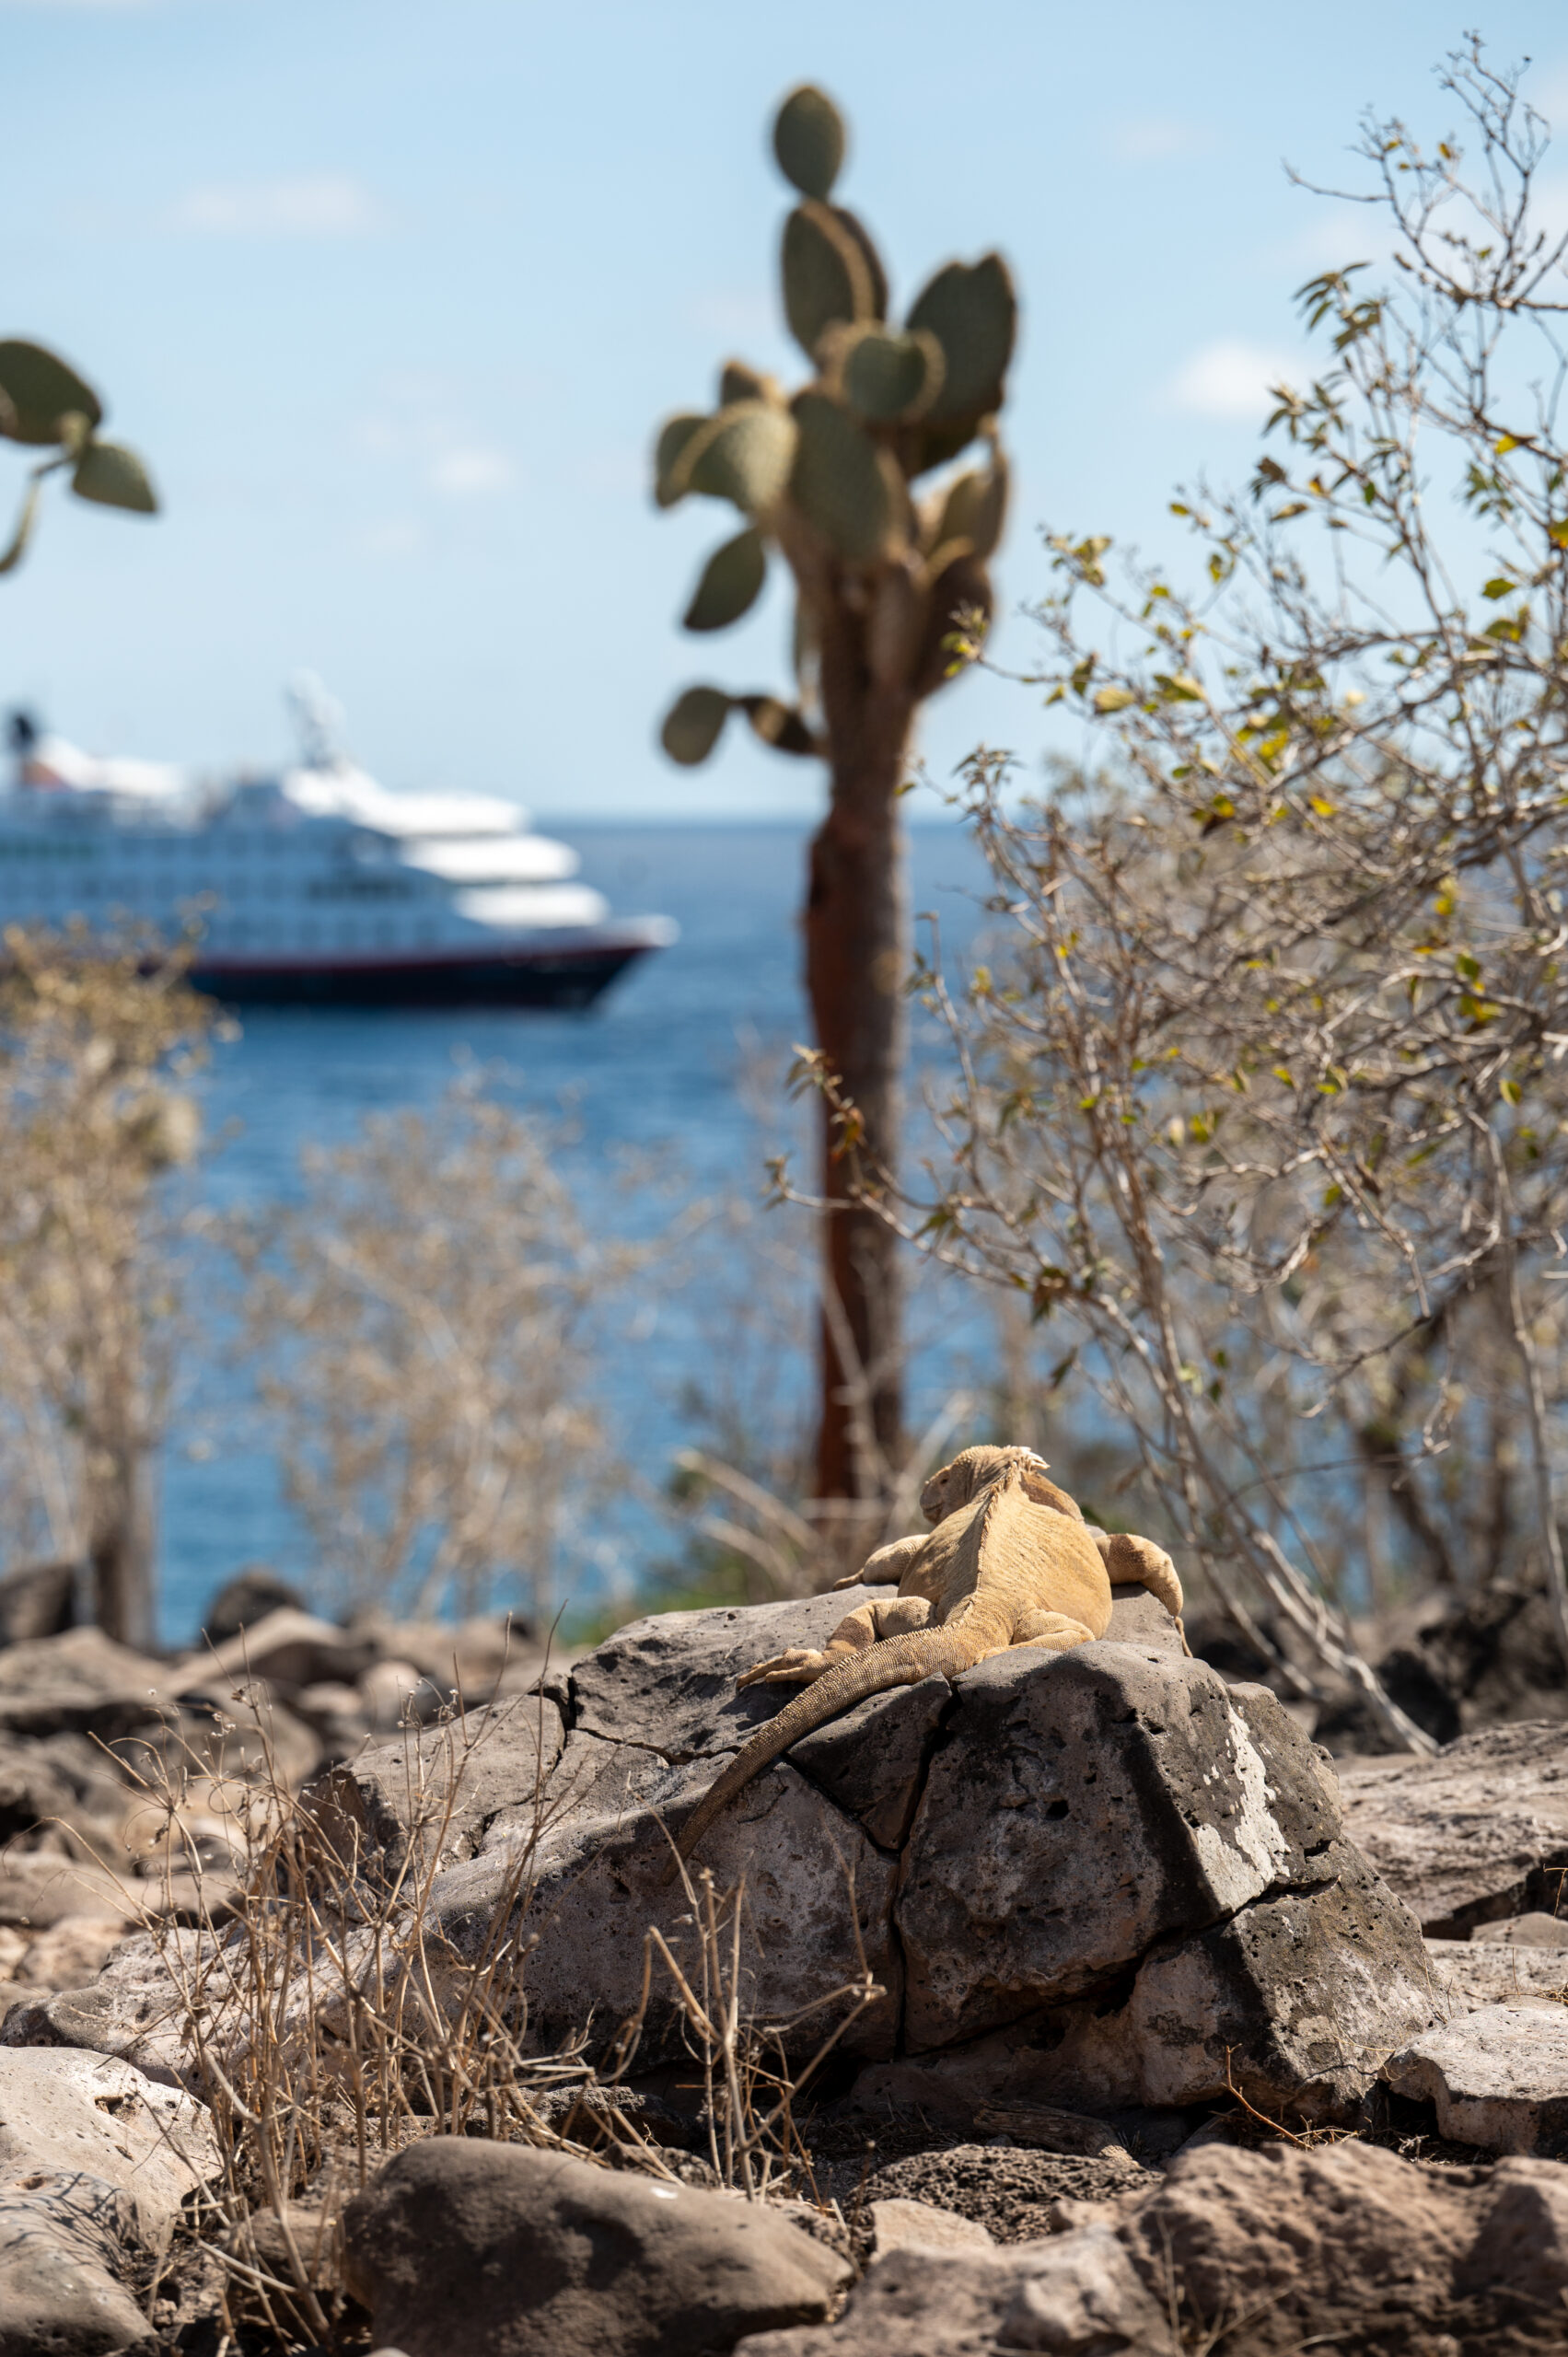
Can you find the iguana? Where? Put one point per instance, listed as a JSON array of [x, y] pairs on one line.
[[1011, 1562]]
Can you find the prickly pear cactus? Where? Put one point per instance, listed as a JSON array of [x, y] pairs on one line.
[[823, 478], [859, 481]]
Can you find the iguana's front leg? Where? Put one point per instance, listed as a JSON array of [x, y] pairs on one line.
[[887, 1567], [895, 1618]]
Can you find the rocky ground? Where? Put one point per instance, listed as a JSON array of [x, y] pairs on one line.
[[1147, 2025]]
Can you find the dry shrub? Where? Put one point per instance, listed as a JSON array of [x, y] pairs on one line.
[[328, 2020]]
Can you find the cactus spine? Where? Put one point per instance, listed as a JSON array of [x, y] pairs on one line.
[[891, 595]]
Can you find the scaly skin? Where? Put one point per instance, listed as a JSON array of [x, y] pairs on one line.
[[1011, 1563]]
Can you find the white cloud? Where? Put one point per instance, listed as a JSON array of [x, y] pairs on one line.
[[1157, 139], [473, 473], [1229, 378], [317, 205]]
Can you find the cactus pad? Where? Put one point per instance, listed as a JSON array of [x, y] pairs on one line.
[[113, 476], [825, 276], [883, 376], [859, 236], [976, 508], [671, 476], [809, 140], [693, 724], [843, 485], [41, 391], [778, 724], [731, 582], [743, 455], [739, 381], [973, 313]]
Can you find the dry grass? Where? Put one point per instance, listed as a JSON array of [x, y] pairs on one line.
[[327, 2020]]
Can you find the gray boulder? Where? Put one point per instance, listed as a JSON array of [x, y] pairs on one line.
[[511, 2252], [1292, 2000], [1349, 2244], [81, 1682], [1078, 2293], [286, 1647], [1273, 2250], [64, 2248], [63, 2114], [1475, 1834], [245, 1600], [1082, 1806], [133, 2011], [667, 1682], [1498, 2077], [1468, 1974], [1536, 1930], [437, 1789], [587, 1891]]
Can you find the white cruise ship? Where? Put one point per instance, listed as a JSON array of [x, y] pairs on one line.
[[316, 887]]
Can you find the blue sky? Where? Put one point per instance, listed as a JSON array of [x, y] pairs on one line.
[[393, 296]]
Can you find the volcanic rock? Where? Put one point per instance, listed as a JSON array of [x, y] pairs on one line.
[[1498, 2078], [1475, 1834], [522, 2252]]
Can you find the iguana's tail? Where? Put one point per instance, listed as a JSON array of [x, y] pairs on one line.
[[894, 1661]]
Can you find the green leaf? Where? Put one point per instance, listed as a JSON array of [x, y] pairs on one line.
[[112, 476], [731, 582], [1498, 587], [1113, 698], [42, 390], [693, 724]]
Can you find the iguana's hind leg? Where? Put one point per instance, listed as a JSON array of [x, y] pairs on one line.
[[1057, 1629], [897, 1617], [1132, 1560]]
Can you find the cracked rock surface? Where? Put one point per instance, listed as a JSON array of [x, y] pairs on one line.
[[1144, 1868], [1089, 1879]]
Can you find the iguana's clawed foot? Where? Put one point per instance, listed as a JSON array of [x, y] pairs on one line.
[[799, 1665]]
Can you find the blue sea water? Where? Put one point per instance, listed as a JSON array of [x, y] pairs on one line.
[[654, 1071]]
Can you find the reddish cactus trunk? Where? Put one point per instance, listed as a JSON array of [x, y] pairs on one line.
[[857, 948]]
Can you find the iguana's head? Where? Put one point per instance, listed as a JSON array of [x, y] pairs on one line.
[[958, 1484]]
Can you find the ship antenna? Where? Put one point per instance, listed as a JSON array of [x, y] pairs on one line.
[[318, 720]]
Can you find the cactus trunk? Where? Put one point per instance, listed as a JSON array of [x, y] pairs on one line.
[[857, 953]]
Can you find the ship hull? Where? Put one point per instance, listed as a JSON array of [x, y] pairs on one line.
[[561, 978]]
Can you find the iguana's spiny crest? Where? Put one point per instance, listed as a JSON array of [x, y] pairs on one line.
[[1011, 1562]]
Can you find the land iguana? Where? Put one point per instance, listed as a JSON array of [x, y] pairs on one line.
[[1011, 1562]]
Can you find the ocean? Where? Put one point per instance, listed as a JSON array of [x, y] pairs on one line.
[[678, 1070]]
